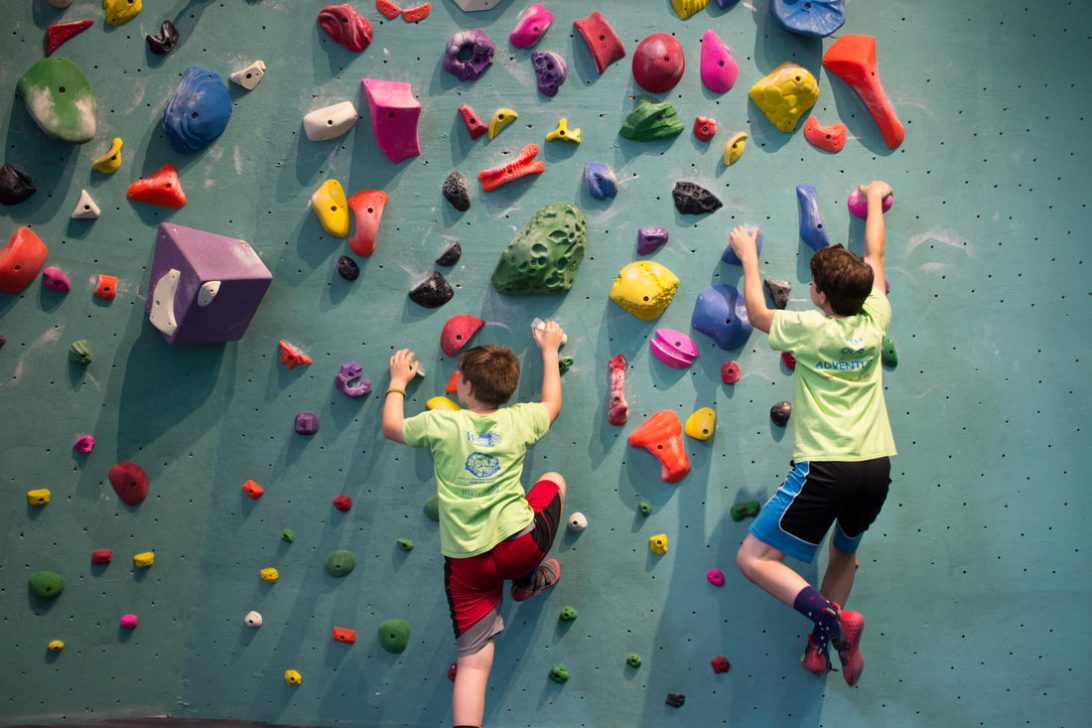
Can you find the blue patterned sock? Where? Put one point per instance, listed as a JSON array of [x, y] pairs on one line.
[[822, 611]]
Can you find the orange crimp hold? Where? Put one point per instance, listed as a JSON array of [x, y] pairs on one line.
[[253, 490], [291, 356], [828, 138], [521, 166], [387, 9], [661, 435], [417, 14], [452, 383], [343, 634], [106, 287], [852, 58]]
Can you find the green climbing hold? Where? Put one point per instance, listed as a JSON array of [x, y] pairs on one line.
[[59, 99], [564, 364], [645, 508], [747, 509], [545, 255], [651, 120], [559, 673], [340, 563], [633, 659], [405, 544], [394, 635], [46, 584], [888, 354], [80, 352], [288, 536], [568, 614], [432, 508]]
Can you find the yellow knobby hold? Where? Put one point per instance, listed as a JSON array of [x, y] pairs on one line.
[[644, 288], [502, 117], [111, 161], [658, 544], [332, 208], [564, 133], [293, 677], [144, 560], [39, 496], [686, 8], [701, 424], [785, 95], [119, 12], [441, 403], [56, 646], [734, 147], [270, 575]]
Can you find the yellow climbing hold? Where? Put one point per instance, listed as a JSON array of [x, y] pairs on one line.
[[56, 646], [733, 149], [111, 161], [441, 403], [293, 677], [701, 424], [658, 544], [785, 95], [686, 8], [564, 133], [144, 560], [644, 288], [119, 12], [38, 497], [269, 575], [332, 208], [502, 117]]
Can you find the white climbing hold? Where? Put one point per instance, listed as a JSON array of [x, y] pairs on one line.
[[85, 209], [207, 293], [162, 313], [253, 620], [330, 122], [578, 522], [539, 325], [249, 77]]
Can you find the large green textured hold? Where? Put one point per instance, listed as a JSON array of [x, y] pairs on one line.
[[545, 255], [651, 120], [340, 563], [59, 98], [394, 635], [46, 584]]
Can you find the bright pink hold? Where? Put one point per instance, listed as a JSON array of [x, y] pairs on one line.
[[531, 24], [394, 113], [858, 205], [55, 280], [719, 70], [84, 444], [720, 664], [129, 621], [715, 577]]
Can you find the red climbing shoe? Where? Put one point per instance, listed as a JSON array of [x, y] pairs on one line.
[[849, 648], [815, 661], [546, 575]]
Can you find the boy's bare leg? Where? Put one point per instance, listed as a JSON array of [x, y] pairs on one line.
[[468, 695], [838, 578], [763, 565]]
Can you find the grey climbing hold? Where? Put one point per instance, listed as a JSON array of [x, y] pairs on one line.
[[451, 254], [779, 291], [347, 268], [432, 292], [780, 413], [165, 41], [456, 190], [15, 185]]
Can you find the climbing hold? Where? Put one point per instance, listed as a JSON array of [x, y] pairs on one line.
[[779, 291], [705, 128], [85, 208], [693, 199], [521, 166], [651, 120], [80, 352], [15, 185], [658, 544], [57, 34], [250, 76], [568, 614], [812, 231], [661, 435], [395, 113], [293, 677], [686, 8], [475, 127], [330, 122], [719, 70], [394, 635], [46, 584], [163, 42], [269, 575], [331, 208], [780, 413], [734, 147], [673, 348], [56, 280], [340, 562], [747, 509], [38, 496], [720, 314], [253, 619], [441, 403], [451, 254], [345, 635], [452, 386], [405, 544], [130, 483], [55, 646], [432, 508], [458, 331], [456, 190], [253, 490], [785, 94], [347, 268], [730, 372], [546, 254], [502, 117], [388, 9], [288, 536], [578, 522], [644, 508], [858, 204], [307, 423], [633, 660], [432, 292], [111, 161], [815, 18], [84, 444], [701, 424], [144, 560], [651, 239], [292, 356], [852, 58], [829, 138], [346, 26], [675, 700], [559, 673], [106, 287], [720, 664], [550, 71], [121, 11], [644, 288], [602, 41], [197, 111], [531, 25], [600, 179], [468, 54], [538, 325], [129, 621], [417, 14], [564, 133], [350, 382], [888, 354], [367, 207], [715, 577], [162, 189], [618, 409], [658, 63], [789, 359], [729, 255], [452, 670], [59, 99]]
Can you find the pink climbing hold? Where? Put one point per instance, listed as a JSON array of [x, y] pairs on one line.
[[858, 204], [128, 621], [719, 70], [602, 41], [852, 58], [715, 577], [661, 435], [720, 664], [618, 412], [84, 444], [367, 207], [673, 348], [346, 26], [56, 280], [475, 127], [458, 331], [531, 24], [828, 138], [343, 503], [395, 113], [729, 372], [21, 259], [130, 482]]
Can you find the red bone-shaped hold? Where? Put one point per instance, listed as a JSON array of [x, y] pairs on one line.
[[828, 138], [618, 412], [387, 9], [58, 34], [346, 26], [521, 166], [602, 41], [162, 189], [661, 435], [131, 483], [21, 260], [457, 331], [367, 207], [474, 125], [852, 58]]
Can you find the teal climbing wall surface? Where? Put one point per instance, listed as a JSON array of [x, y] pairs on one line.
[[974, 581]]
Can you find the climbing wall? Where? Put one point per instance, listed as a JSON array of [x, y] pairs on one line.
[[973, 581]]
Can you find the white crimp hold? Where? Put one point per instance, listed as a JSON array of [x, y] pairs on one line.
[[207, 293], [253, 620], [162, 313], [250, 76], [578, 522], [85, 209], [539, 325], [330, 122]]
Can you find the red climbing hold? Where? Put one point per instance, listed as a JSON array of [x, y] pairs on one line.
[[521, 166], [618, 411], [57, 34], [729, 372], [417, 14], [658, 63], [131, 483], [852, 58], [343, 503], [474, 125], [163, 189], [704, 128], [21, 260], [387, 9], [102, 557], [367, 207], [346, 26], [789, 359], [458, 331], [720, 664], [828, 138], [602, 41], [661, 435], [344, 634], [452, 383], [292, 357], [451, 670], [253, 490]]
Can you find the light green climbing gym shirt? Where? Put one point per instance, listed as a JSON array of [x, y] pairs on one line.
[[478, 461], [838, 411]]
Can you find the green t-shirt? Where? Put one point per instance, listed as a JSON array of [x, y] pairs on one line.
[[478, 461], [838, 406]]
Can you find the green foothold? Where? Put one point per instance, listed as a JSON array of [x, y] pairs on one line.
[[288, 536], [46, 584], [545, 255], [889, 355], [559, 673], [564, 364], [340, 563], [568, 614], [747, 509], [394, 635], [644, 508], [59, 99], [405, 544], [80, 352], [432, 508], [633, 659], [651, 120]]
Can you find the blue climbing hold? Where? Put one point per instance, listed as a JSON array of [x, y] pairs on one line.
[[601, 180], [729, 256], [812, 231], [726, 3], [721, 315], [817, 18], [197, 111]]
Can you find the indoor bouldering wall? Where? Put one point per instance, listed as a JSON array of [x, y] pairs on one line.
[[973, 581]]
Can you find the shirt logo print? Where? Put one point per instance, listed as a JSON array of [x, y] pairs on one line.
[[486, 439], [481, 465]]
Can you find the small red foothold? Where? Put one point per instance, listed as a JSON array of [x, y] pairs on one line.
[[107, 287], [704, 128], [343, 634], [253, 490], [474, 125], [163, 189], [417, 14], [291, 356], [387, 9], [343, 503], [451, 670], [57, 34], [452, 383], [101, 557], [856, 564], [720, 664], [789, 359]]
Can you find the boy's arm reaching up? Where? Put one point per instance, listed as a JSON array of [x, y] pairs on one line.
[[403, 368], [875, 232], [548, 339], [744, 243]]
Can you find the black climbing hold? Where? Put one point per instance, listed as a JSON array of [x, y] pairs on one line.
[[457, 191], [15, 185], [675, 700], [165, 41], [693, 199], [432, 292], [451, 254], [780, 413], [347, 268], [2, 342], [779, 291]]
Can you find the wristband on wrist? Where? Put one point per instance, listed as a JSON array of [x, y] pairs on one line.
[[396, 390]]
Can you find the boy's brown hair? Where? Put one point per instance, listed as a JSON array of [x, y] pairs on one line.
[[492, 371], [845, 278]]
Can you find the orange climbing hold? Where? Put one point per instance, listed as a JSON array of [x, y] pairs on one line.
[[852, 58], [344, 634], [21, 260], [367, 207], [661, 435], [291, 356], [453, 383], [387, 9], [417, 14], [828, 138], [107, 287], [163, 189], [253, 490], [521, 166]]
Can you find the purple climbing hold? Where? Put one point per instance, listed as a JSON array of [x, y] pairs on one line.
[[432, 292], [651, 239], [451, 254], [468, 54], [812, 231], [55, 280], [550, 71], [720, 314], [350, 382], [780, 413], [306, 423], [815, 18], [600, 180], [858, 205]]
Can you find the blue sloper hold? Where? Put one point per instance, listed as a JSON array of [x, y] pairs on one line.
[[726, 3], [729, 256], [601, 180], [817, 18], [721, 315], [197, 111], [812, 231]]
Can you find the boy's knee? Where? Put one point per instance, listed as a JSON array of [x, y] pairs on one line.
[[555, 477]]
